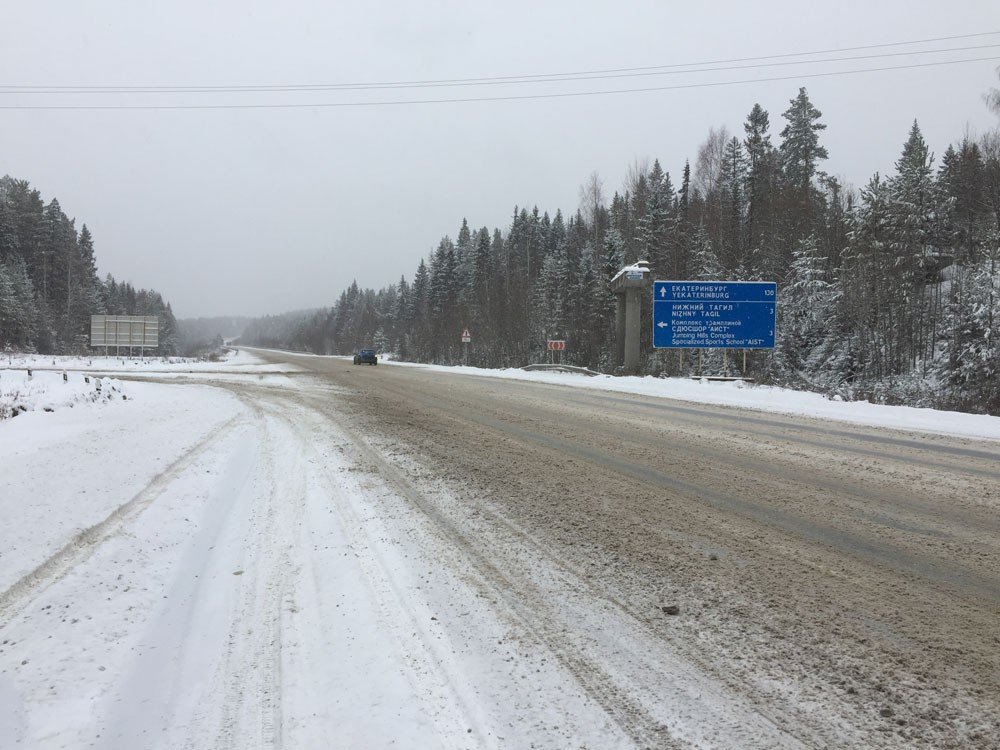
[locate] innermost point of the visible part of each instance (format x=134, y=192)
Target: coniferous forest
x=890, y=292
x=49, y=285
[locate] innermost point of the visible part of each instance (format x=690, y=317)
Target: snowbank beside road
x=49, y=391
x=65, y=472
x=240, y=361
x=92, y=379
x=762, y=398
x=742, y=395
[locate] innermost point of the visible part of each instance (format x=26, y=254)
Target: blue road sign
x=714, y=314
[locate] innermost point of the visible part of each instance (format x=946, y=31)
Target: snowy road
x=337, y=556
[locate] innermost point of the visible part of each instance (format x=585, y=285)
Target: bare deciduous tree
x=708, y=166
x=635, y=175
x=592, y=202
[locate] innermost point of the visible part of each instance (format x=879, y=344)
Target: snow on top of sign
x=640, y=266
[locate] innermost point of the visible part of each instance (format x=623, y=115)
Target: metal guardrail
x=561, y=368
x=722, y=378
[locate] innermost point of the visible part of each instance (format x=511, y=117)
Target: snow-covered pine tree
x=870, y=294
x=656, y=225
x=24, y=318
x=976, y=370
x=962, y=177
x=704, y=260
x=915, y=210
x=800, y=149
x=8, y=308
x=800, y=153
x=761, y=187
x=732, y=183
x=9, y=245
x=807, y=306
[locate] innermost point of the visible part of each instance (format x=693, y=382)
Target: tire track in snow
x=529, y=608
x=775, y=428
x=416, y=643
x=159, y=693
x=807, y=627
x=583, y=586
x=614, y=680
x=83, y=543
x=249, y=672
x=817, y=531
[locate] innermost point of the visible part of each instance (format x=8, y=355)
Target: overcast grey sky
x=252, y=211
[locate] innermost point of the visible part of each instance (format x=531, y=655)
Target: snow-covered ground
x=21, y=392
x=68, y=470
x=220, y=561
x=238, y=361
x=195, y=568
x=33, y=382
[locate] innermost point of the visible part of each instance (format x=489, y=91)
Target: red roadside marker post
x=555, y=345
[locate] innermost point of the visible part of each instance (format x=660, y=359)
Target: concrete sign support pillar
x=629, y=284
x=620, y=330
x=633, y=304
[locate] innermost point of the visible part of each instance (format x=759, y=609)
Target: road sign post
x=466, y=340
x=714, y=314
x=555, y=345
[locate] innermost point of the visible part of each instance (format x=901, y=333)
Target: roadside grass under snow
x=99, y=363
x=36, y=382
x=49, y=391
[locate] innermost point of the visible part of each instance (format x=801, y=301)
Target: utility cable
x=547, y=77
x=369, y=87
x=512, y=97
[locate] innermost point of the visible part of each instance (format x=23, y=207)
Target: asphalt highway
x=844, y=579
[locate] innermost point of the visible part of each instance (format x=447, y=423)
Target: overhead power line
x=545, y=77
x=511, y=97
x=306, y=88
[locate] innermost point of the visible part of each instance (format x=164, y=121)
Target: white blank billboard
x=125, y=330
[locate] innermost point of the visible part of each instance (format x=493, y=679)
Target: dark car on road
x=366, y=357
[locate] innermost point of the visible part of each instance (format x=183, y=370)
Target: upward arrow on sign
x=663, y=291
